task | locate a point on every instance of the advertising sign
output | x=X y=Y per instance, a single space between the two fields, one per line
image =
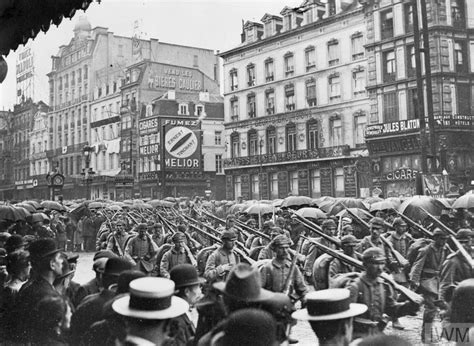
x=25 y=73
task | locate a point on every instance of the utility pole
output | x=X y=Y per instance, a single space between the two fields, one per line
x=429 y=89
x=419 y=88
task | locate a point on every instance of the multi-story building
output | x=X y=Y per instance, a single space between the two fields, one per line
x=158 y=91
x=296 y=105
x=7 y=185
x=393 y=132
x=86 y=84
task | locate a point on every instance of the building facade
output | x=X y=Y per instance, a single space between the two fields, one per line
x=296 y=105
x=393 y=132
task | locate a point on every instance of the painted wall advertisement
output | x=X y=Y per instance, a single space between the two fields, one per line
x=25 y=70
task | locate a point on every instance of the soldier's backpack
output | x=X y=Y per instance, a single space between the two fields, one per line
x=321 y=272
x=415 y=248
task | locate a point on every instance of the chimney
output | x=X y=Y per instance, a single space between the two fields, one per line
x=204 y=96
x=171 y=95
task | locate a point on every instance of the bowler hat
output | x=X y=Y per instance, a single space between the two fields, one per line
x=150 y=298
x=373 y=255
x=377 y=222
x=14 y=243
x=228 y=234
x=185 y=275
x=42 y=248
x=125 y=278
x=464 y=234
x=328 y=305
x=248 y=327
x=244 y=284
x=116 y=265
x=349 y=240
x=104 y=254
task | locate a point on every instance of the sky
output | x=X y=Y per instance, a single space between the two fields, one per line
x=215 y=24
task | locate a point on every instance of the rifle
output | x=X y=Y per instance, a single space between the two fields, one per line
x=397 y=255
x=238 y=225
x=414 y=297
x=339 y=227
x=289 y=278
x=452 y=236
x=316 y=229
x=413 y=223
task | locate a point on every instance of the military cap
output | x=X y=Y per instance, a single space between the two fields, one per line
x=373 y=255
x=438 y=232
x=348 y=228
x=182 y=228
x=464 y=234
x=349 y=240
x=398 y=221
x=280 y=240
x=276 y=230
x=178 y=236
x=329 y=223
x=141 y=226
x=377 y=221
x=229 y=235
x=268 y=224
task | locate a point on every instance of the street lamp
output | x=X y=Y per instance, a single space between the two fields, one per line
x=87 y=172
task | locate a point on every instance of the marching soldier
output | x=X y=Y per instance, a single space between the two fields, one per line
x=424 y=275
x=141 y=248
x=118 y=240
x=456 y=269
x=223 y=259
x=371 y=290
x=337 y=267
x=178 y=254
x=373 y=240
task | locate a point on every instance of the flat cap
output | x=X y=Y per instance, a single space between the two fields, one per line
x=349 y=240
x=398 y=221
x=228 y=234
x=329 y=223
x=178 y=236
x=377 y=221
x=280 y=240
x=373 y=255
x=464 y=234
x=438 y=232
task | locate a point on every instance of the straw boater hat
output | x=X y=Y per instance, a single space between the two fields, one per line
x=328 y=305
x=151 y=298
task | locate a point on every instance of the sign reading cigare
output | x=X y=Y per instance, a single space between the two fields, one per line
x=402 y=174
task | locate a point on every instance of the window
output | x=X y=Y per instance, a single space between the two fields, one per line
x=339 y=181
x=289 y=64
x=336 y=132
x=290 y=97
x=358 y=80
x=310 y=58
x=234 y=108
x=389 y=66
x=235 y=145
x=79 y=76
x=293 y=179
x=268 y=29
x=85 y=72
x=219 y=164
x=464 y=99
x=357 y=46
x=234 y=83
x=412 y=103
x=251 y=75
x=273 y=185
x=217 y=137
x=360 y=121
x=73 y=78
x=408 y=8
x=255 y=186
x=390 y=106
x=237 y=186
x=311 y=92
x=270 y=101
x=271 y=140
x=386 y=21
x=252 y=139
x=287 y=21
x=457 y=13
x=290 y=137
x=269 y=73
x=199 y=110
x=183 y=109
x=459 y=56
x=251 y=107
x=411 y=62
x=312 y=137
x=333 y=52
x=334 y=88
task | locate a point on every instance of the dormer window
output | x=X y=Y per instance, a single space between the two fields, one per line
x=183 y=109
x=251 y=75
x=287 y=21
x=268 y=29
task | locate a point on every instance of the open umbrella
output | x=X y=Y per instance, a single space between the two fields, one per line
x=170 y=199
x=259 y=208
x=382 y=205
x=236 y=208
x=96 y=205
x=35 y=204
x=53 y=205
x=373 y=199
x=38 y=217
x=296 y=201
x=26 y=206
x=9 y=213
x=114 y=207
x=343 y=203
x=322 y=200
x=466 y=201
x=363 y=214
x=314 y=213
x=277 y=202
x=23 y=212
x=411 y=207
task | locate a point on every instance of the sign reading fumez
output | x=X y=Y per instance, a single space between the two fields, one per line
x=181 y=143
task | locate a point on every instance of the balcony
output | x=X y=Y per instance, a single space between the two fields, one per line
x=270 y=110
x=234 y=87
x=298 y=155
x=269 y=78
x=290 y=107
